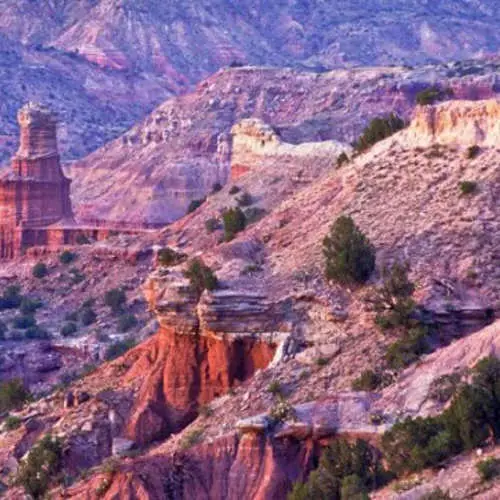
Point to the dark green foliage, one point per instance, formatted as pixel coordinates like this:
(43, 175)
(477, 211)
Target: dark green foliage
(346, 471)
(342, 158)
(444, 388)
(29, 306)
(168, 257)
(116, 349)
(87, 316)
(69, 329)
(67, 257)
(115, 299)
(471, 419)
(195, 204)
(234, 221)
(275, 388)
(234, 190)
(39, 270)
(126, 322)
(254, 214)
(468, 187)
(367, 381)
(81, 239)
(393, 300)
(245, 200)
(12, 423)
(349, 256)
(24, 321)
(212, 224)
(379, 129)
(473, 152)
(13, 395)
(43, 463)
(488, 468)
(200, 276)
(432, 95)
(408, 349)
(11, 298)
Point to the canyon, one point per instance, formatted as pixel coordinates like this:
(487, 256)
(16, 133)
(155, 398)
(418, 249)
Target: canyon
(186, 414)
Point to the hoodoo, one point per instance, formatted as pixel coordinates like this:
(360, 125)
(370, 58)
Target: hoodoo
(34, 194)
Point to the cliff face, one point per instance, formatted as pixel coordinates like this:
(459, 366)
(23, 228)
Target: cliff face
(464, 123)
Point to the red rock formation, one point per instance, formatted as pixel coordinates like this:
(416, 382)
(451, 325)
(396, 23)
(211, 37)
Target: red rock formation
(181, 372)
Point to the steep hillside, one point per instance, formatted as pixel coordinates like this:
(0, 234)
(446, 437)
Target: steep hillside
(150, 174)
(190, 407)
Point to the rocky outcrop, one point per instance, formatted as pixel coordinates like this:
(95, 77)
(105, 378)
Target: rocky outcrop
(464, 123)
(254, 142)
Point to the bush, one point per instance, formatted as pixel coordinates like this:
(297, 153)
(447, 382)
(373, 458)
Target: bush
(35, 332)
(212, 224)
(281, 410)
(468, 187)
(12, 423)
(24, 321)
(444, 388)
(67, 257)
(342, 158)
(3, 330)
(275, 388)
(234, 190)
(393, 300)
(488, 468)
(39, 270)
(43, 463)
(126, 322)
(115, 299)
(13, 395)
(200, 276)
(349, 256)
(29, 306)
(87, 316)
(378, 130)
(473, 152)
(216, 187)
(195, 204)
(408, 349)
(367, 381)
(168, 257)
(432, 95)
(191, 438)
(11, 298)
(254, 214)
(352, 488)
(245, 200)
(69, 329)
(234, 221)
(117, 349)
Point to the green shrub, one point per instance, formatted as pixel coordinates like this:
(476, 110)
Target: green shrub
(43, 463)
(234, 221)
(24, 321)
(87, 316)
(119, 348)
(281, 410)
(234, 190)
(69, 329)
(468, 187)
(29, 306)
(367, 381)
(11, 298)
(200, 276)
(445, 387)
(245, 200)
(39, 270)
(35, 332)
(379, 129)
(126, 322)
(115, 299)
(167, 257)
(342, 158)
(408, 349)
(275, 388)
(352, 488)
(432, 95)
(488, 468)
(13, 395)
(12, 423)
(195, 204)
(212, 224)
(393, 300)
(349, 256)
(473, 152)
(67, 257)
(191, 438)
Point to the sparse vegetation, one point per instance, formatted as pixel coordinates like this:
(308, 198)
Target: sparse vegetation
(191, 438)
(378, 130)
(11, 298)
(41, 466)
(67, 257)
(245, 200)
(200, 276)
(167, 257)
(234, 221)
(275, 388)
(342, 158)
(87, 316)
(254, 214)
(216, 187)
(472, 152)
(13, 395)
(29, 306)
(39, 270)
(24, 321)
(468, 187)
(126, 322)
(119, 348)
(369, 380)
(432, 95)
(115, 299)
(349, 255)
(69, 329)
(212, 224)
(408, 349)
(234, 190)
(195, 204)
(281, 410)
(488, 468)
(12, 423)
(445, 387)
